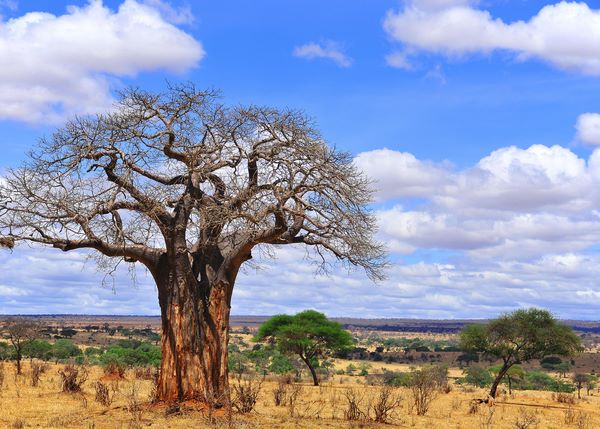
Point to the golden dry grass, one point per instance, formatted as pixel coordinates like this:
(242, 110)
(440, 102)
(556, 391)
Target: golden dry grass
(22, 405)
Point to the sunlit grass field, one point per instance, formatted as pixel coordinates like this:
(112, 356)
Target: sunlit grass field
(326, 406)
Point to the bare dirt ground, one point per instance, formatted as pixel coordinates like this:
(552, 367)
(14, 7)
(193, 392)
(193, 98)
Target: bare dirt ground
(45, 406)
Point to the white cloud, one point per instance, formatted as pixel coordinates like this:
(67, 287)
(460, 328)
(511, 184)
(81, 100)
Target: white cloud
(52, 66)
(566, 34)
(588, 128)
(328, 50)
(399, 59)
(401, 174)
(512, 203)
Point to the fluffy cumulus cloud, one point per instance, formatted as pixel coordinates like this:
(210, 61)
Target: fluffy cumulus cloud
(328, 50)
(588, 129)
(400, 174)
(564, 34)
(513, 203)
(54, 66)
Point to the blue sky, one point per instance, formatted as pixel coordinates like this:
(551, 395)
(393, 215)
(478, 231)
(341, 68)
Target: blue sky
(476, 119)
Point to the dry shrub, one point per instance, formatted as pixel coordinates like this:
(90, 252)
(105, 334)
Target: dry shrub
(311, 408)
(18, 424)
(293, 395)
(37, 369)
(526, 419)
(153, 395)
(486, 420)
(144, 373)
(103, 395)
(424, 385)
(353, 411)
(115, 370)
(280, 393)
(582, 421)
(569, 415)
(384, 404)
(455, 405)
(72, 378)
(245, 393)
(563, 398)
(134, 406)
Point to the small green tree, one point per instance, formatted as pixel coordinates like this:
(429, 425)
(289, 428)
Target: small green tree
(580, 380)
(308, 334)
(591, 383)
(563, 368)
(20, 331)
(520, 336)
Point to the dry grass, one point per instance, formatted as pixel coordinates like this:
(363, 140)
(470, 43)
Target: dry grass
(46, 406)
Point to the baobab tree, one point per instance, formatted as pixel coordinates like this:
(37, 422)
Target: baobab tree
(191, 188)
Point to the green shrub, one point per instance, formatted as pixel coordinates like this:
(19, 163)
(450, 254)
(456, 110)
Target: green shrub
(65, 349)
(38, 349)
(145, 354)
(537, 380)
(396, 378)
(280, 364)
(93, 351)
(478, 376)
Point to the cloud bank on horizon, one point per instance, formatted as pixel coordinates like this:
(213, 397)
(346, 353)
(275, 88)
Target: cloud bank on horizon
(518, 226)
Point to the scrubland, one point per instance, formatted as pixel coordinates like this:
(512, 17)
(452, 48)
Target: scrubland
(341, 402)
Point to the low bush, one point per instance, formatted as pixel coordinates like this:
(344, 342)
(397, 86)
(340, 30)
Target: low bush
(537, 380)
(103, 395)
(72, 378)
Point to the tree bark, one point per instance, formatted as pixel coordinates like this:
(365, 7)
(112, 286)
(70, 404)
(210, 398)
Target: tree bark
(195, 322)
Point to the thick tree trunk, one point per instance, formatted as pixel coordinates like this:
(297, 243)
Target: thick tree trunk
(195, 321)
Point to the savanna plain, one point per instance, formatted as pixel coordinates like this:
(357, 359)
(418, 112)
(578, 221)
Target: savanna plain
(99, 373)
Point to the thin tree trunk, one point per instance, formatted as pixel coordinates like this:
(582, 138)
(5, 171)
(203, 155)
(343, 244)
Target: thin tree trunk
(498, 379)
(312, 370)
(195, 322)
(18, 358)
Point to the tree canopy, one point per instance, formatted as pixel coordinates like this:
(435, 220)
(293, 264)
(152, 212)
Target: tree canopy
(228, 177)
(520, 336)
(308, 334)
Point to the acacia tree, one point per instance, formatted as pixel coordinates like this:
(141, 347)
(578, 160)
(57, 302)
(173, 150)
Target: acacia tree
(308, 334)
(189, 188)
(20, 332)
(580, 379)
(518, 337)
